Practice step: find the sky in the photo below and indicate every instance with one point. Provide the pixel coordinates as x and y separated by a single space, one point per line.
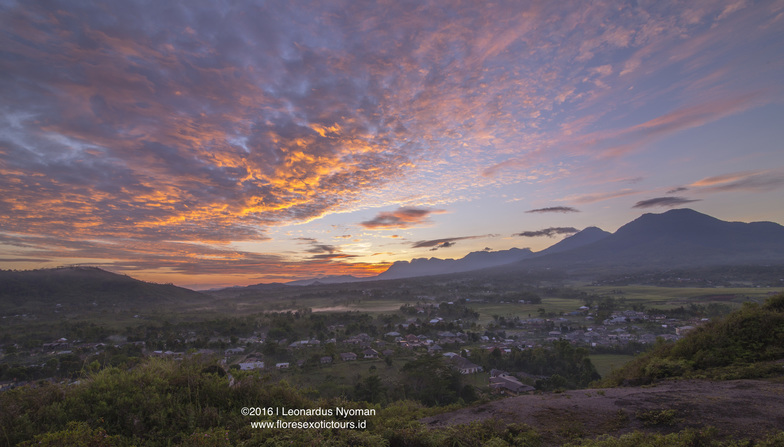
215 143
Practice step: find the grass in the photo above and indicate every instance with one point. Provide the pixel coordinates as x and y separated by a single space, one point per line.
669 297
524 311
328 304
340 377
605 363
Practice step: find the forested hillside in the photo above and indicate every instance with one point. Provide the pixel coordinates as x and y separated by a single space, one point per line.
747 343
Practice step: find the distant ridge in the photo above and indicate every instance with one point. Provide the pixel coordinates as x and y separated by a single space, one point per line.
472 261
676 238
679 238
76 287
332 279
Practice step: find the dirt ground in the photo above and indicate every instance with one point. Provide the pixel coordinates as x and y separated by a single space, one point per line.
736 409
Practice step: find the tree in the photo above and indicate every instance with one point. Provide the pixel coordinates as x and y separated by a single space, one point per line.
431 381
370 389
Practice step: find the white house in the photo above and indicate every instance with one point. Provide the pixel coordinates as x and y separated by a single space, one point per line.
247 366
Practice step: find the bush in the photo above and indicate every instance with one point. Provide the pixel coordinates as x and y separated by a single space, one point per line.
741 345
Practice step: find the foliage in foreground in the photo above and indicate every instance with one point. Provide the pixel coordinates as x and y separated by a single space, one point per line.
745 344
686 438
191 403
167 403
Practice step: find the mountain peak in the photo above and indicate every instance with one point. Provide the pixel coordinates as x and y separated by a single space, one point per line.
587 236
678 237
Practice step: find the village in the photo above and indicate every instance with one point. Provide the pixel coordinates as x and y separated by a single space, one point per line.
446 329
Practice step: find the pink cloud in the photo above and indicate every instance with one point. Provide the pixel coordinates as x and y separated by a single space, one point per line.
400 218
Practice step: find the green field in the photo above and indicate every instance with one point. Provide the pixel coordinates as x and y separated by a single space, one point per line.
669 297
605 363
649 296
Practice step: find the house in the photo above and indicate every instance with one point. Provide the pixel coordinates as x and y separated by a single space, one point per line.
234 351
434 348
348 356
465 366
284 365
251 365
505 383
370 353
683 330
326 360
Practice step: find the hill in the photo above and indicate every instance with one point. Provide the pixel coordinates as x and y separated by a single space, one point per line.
748 343
79 288
330 279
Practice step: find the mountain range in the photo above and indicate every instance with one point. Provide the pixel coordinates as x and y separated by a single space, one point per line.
676 238
680 238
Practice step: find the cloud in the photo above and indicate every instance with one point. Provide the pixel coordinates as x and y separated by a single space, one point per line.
742 181
323 248
321 251
17 260
677 190
163 260
400 218
555 209
446 242
333 256
618 142
599 197
142 124
549 232
663 201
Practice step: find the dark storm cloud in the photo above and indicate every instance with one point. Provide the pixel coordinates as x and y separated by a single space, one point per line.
549 232
663 201
555 209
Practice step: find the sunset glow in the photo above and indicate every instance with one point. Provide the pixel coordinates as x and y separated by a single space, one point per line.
205 144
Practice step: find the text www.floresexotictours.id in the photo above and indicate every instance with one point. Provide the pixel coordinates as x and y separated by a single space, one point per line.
301 425
339 412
